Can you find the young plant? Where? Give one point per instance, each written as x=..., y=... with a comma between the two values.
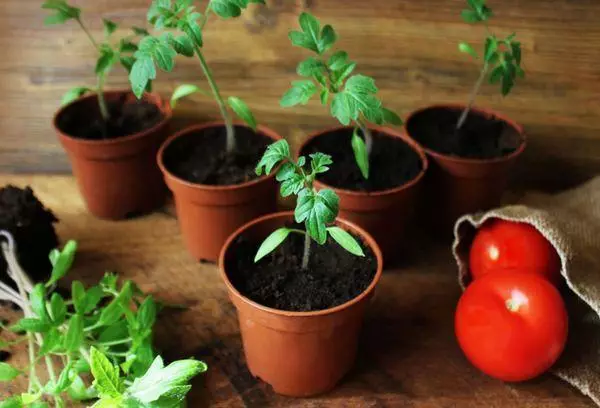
x=316, y=209
x=500, y=58
x=352, y=99
x=109, y=52
x=160, y=51
x=117, y=321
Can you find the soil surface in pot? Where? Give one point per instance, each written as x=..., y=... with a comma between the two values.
x=392, y=162
x=333, y=277
x=480, y=137
x=127, y=117
x=31, y=225
x=200, y=157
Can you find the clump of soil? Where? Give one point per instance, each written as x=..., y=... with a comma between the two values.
x=480, y=137
x=333, y=277
x=201, y=157
x=392, y=161
x=127, y=117
x=32, y=226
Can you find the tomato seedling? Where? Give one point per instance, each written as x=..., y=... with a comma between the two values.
x=116, y=321
x=160, y=51
x=316, y=209
x=110, y=52
x=500, y=58
x=511, y=326
x=352, y=99
x=501, y=246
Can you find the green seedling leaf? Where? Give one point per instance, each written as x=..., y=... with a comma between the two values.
x=74, y=336
x=496, y=74
x=470, y=16
x=12, y=402
x=58, y=309
x=320, y=162
x=467, y=49
x=182, y=45
x=107, y=380
x=231, y=8
x=31, y=325
x=328, y=38
x=109, y=27
x=146, y=316
x=81, y=366
x=39, y=404
x=140, y=31
x=92, y=297
x=185, y=90
x=151, y=51
x=360, y=154
x=356, y=98
x=516, y=51
x=242, y=111
x=109, y=282
x=338, y=60
x=72, y=95
x=79, y=392
x=309, y=67
x=346, y=240
x=78, y=295
x=111, y=313
x=324, y=96
x=63, y=262
x=108, y=58
x=316, y=211
x=8, y=372
x=291, y=181
x=52, y=342
x=63, y=12
x=142, y=72
x=127, y=63
x=271, y=242
x=300, y=93
x=65, y=380
x=311, y=29
x=37, y=299
x=275, y=153
x=391, y=117
x=126, y=46
x=491, y=45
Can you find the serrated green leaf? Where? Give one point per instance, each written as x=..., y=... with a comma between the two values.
x=360, y=154
x=357, y=97
x=275, y=152
x=185, y=90
x=316, y=211
x=309, y=67
x=37, y=299
x=299, y=93
x=391, y=117
x=8, y=372
x=63, y=262
x=141, y=74
x=299, y=39
x=346, y=240
x=319, y=162
x=107, y=380
x=343, y=73
x=343, y=108
x=58, y=309
x=109, y=27
x=242, y=111
x=328, y=38
x=182, y=45
x=74, y=336
x=467, y=49
x=275, y=239
x=73, y=94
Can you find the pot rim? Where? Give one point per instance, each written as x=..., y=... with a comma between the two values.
x=467, y=160
x=381, y=193
x=271, y=134
x=163, y=106
x=368, y=239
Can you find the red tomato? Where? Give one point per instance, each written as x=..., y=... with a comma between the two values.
x=504, y=245
x=512, y=326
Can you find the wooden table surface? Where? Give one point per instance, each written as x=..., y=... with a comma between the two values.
x=408, y=355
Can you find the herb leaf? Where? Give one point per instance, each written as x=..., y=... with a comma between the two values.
x=74, y=94
x=275, y=153
x=299, y=93
x=242, y=111
x=106, y=376
x=360, y=153
x=271, y=242
x=8, y=372
x=346, y=240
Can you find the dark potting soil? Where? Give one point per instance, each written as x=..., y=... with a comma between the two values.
x=480, y=137
x=201, y=158
x=333, y=277
x=127, y=117
x=32, y=226
x=392, y=162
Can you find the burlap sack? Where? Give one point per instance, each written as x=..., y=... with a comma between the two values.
x=571, y=222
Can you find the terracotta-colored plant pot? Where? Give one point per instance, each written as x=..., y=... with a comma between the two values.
x=387, y=214
x=455, y=186
x=117, y=177
x=298, y=353
x=208, y=214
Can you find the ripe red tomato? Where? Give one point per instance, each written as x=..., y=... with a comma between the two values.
x=505, y=245
x=512, y=326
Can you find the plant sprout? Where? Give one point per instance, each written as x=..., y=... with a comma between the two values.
x=117, y=321
x=160, y=51
x=316, y=209
x=353, y=97
x=109, y=52
x=500, y=59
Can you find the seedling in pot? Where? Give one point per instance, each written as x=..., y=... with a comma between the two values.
x=500, y=58
x=317, y=209
x=105, y=330
x=160, y=51
x=110, y=51
x=352, y=99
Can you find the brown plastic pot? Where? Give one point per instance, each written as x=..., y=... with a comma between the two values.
x=299, y=354
x=455, y=186
x=117, y=177
x=207, y=214
x=387, y=214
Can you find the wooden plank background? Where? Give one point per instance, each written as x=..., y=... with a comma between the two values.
x=408, y=46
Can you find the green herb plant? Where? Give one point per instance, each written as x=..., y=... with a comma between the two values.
x=110, y=52
x=184, y=36
x=61, y=334
x=352, y=99
x=316, y=209
x=500, y=58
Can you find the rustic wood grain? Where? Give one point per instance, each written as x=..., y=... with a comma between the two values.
x=408, y=46
x=408, y=355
